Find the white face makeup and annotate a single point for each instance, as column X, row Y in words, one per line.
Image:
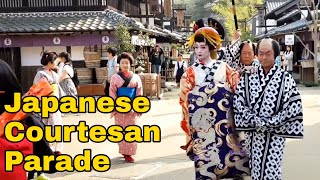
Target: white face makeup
column 202, row 50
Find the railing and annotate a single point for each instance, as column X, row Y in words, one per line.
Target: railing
column 89, row 2
column 11, row 3
column 50, row 3
column 41, row 3
column 127, row 6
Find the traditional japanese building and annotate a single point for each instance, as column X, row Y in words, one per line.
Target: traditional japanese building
column 290, row 19
column 27, row 27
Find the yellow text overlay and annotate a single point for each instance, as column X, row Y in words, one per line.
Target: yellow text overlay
column 51, row 104
column 97, row 133
column 80, row 163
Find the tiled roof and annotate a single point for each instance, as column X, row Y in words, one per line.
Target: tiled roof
column 274, row 4
column 63, row 21
column 290, row 14
column 297, row 25
column 171, row 34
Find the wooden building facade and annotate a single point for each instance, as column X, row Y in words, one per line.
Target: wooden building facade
column 68, row 25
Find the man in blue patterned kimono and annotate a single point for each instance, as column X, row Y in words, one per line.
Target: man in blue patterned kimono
column 267, row 105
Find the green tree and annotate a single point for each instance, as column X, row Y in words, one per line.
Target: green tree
column 124, row 39
column 245, row 10
column 197, row 8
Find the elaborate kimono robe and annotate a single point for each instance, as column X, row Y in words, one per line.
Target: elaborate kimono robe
column 54, row 118
column 206, row 98
column 269, row 108
column 125, row 119
column 231, row 57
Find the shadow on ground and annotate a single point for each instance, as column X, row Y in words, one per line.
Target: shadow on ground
column 302, row 157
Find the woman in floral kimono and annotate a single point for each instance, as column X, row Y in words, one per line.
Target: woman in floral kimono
column 125, row 79
column 206, row 97
column 48, row 62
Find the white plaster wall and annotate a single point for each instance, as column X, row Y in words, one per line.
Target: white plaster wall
column 57, row 49
column 144, row 12
column 77, row 53
column 30, row 56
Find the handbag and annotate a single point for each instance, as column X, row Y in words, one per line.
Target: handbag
column 124, row 90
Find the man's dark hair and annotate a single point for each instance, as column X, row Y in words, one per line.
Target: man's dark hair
column 275, row 47
column 125, row 55
column 201, row 38
column 250, row 43
column 112, row 50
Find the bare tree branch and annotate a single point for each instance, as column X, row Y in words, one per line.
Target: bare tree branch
column 309, row 10
column 303, row 44
column 301, row 12
column 312, row 3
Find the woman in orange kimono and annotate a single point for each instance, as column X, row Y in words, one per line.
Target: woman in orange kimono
column 206, row 94
column 126, row 83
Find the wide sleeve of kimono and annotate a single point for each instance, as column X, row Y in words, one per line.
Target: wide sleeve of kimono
column 243, row 116
column 38, row 77
column 232, row 78
column 286, row 122
column 232, row 54
column 186, row 85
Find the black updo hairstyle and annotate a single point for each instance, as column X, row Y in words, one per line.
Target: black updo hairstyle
column 66, row 56
column 48, row 56
column 125, row 55
column 201, row 38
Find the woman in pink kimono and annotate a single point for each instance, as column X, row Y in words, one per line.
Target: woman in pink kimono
column 126, row 83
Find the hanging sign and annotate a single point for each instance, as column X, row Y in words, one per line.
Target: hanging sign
column 154, row 6
column 167, row 8
column 105, row 39
column 56, row 40
column 289, row 39
column 180, row 18
column 7, row 42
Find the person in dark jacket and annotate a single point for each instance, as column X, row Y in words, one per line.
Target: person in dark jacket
column 156, row 59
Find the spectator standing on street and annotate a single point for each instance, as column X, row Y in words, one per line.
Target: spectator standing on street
column 288, row 60
column 48, row 61
column 66, row 72
column 156, row 59
column 179, row 68
column 112, row 67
